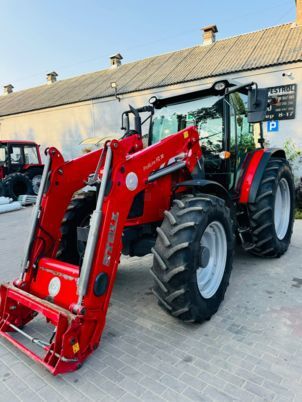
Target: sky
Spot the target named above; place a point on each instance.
(74, 37)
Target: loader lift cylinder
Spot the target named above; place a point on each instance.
(95, 176)
(93, 233)
(35, 216)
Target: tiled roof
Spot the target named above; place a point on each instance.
(269, 47)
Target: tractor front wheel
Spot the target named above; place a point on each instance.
(77, 215)
(35, 176)
(193, 257)
(272, 215)
(16, 184)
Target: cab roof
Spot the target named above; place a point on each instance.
(19, 142)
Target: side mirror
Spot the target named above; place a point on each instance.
(257, 105)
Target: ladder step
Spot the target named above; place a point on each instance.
(248, 246)
(244, 230)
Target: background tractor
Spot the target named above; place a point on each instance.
(204, 178)
(20, 168)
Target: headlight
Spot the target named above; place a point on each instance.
(224, 155)
(152, 100)
(219, 86)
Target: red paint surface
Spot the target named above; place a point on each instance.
(249, 176)
(66, 178)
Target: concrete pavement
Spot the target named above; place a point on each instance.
(250, 350)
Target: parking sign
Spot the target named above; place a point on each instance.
(273, 126)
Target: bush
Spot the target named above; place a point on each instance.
(298, 214)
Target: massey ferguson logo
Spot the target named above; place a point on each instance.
(110, 238)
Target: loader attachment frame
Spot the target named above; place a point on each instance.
(75, 299)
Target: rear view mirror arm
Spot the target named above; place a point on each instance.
(240, 87)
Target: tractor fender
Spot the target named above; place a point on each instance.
(251, 172)
(208, 187)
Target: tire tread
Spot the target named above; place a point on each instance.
(171, 269)
(261, 213)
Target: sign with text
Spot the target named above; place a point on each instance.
(282, 102)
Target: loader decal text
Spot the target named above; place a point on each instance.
(158, 159)
(110, 238)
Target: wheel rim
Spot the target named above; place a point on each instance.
(209, 278)
(36, 181)
(282, 209)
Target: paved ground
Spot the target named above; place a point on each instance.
(251, 349)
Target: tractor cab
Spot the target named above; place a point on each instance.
(20, 167)
(15, 156)
(228, 118)
(224, 115)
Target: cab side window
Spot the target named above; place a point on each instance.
(16, 155)
(241, 126)
(3, 155)
(30, 154)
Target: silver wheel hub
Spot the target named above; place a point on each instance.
(282, 209)
(209, 276)
(36, 181)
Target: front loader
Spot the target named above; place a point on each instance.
(185, 197)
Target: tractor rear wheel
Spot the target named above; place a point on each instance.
(77, 215)
(16, 184)
(193, 257)
(272, 215)
(35, 175)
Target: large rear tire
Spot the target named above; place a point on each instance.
(16, 184)
(193, 257)
(77, 215)
(35, 175)
(272, 215)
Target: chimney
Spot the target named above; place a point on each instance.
(209, 34)
(8, 89)
(116, 60)
(51, 77)
(299, 12)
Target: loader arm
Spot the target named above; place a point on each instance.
(75, 299)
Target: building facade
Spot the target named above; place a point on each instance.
(64, 113)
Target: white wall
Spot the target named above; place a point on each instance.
(65, 127)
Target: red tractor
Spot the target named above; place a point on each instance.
(20, 168)
(204, 179)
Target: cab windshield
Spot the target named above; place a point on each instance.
(205, 114)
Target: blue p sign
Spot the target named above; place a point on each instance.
(273, 126)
